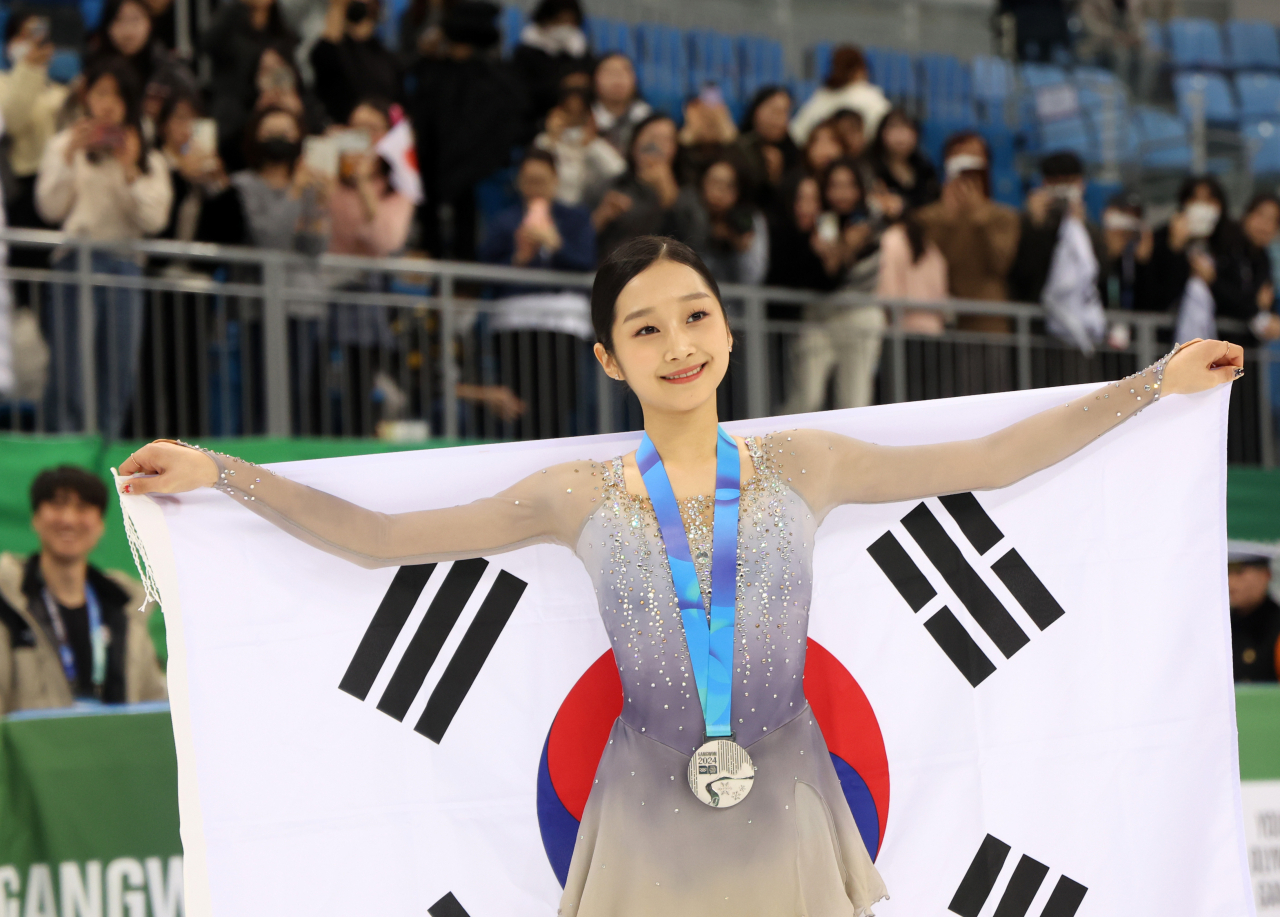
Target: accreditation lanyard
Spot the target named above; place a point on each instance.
(97, 637)
(710, 643)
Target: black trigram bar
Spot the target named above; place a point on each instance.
(1065, 900)
(973, 520)
(470, 657)
(1022, 888)
(977, 883)
(975, 888)
(386, 625)
(969, 588)
(902, 571)
(959, 646)
(432, 632)
(1026, 587)
(448, 906)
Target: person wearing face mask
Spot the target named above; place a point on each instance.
(1059, 255)
(585, 162)
(241, 30)
(29, 104)
(976, 235)
(899, 164)
(278, 202)
(618, 107)
(1202, 265)
(764, 147)
(551, 47)
(350, 61)
(1127, 268)
(100, 179)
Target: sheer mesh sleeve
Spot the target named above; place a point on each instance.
(550, 506)
(829, 470)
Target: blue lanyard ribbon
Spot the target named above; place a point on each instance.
(710, 643)
(97, 637)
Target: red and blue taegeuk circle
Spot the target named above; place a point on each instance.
(571, 753)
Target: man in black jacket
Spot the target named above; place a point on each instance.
(1255, 616)
(1061, 195)
(468, 112)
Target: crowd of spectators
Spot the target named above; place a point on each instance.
(823, 194)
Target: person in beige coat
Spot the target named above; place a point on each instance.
(68, 631)
(29, 103)
(99, 180)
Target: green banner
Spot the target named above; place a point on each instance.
(89, 814)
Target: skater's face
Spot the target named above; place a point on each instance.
(671, 342)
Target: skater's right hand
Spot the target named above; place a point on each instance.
(172, 469)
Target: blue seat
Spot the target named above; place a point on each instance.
(91, 13)
(1154, 37)
(1196, 43)
(1163, 140)
(610, 36)
(1036, 76)
(992, 86)
(945, 84)
(65, 65)
(761, 63)
(1219, 103)
(1262, 139)
(512, 23)
(893, 72)
(1259, 95)
(1069, 135)
(1254, 45)
(663, 65)
(819, 61)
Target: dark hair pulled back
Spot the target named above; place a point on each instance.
(626, 262)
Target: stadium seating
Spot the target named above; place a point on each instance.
(1163, 139)
(992, 83)
(608, 36)
(1259, 95)
(894, 72)
(1262, 138)
(1254, 45)
(1196, 43)
(1153, 36)
(1220, 107)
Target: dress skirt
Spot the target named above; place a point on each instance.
(648, 848)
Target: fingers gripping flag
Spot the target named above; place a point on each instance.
(1026, 693)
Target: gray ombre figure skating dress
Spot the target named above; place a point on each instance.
(646, 846)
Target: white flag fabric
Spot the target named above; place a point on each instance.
(1087, 767)
(398, 148)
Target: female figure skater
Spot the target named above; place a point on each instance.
(705, 598)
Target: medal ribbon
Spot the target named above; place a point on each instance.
(710, 642)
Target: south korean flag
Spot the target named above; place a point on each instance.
(1026, 693)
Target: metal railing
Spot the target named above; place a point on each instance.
(172, 339)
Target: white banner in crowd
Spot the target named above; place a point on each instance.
(1085, 765)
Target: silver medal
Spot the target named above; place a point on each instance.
(721, 773)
